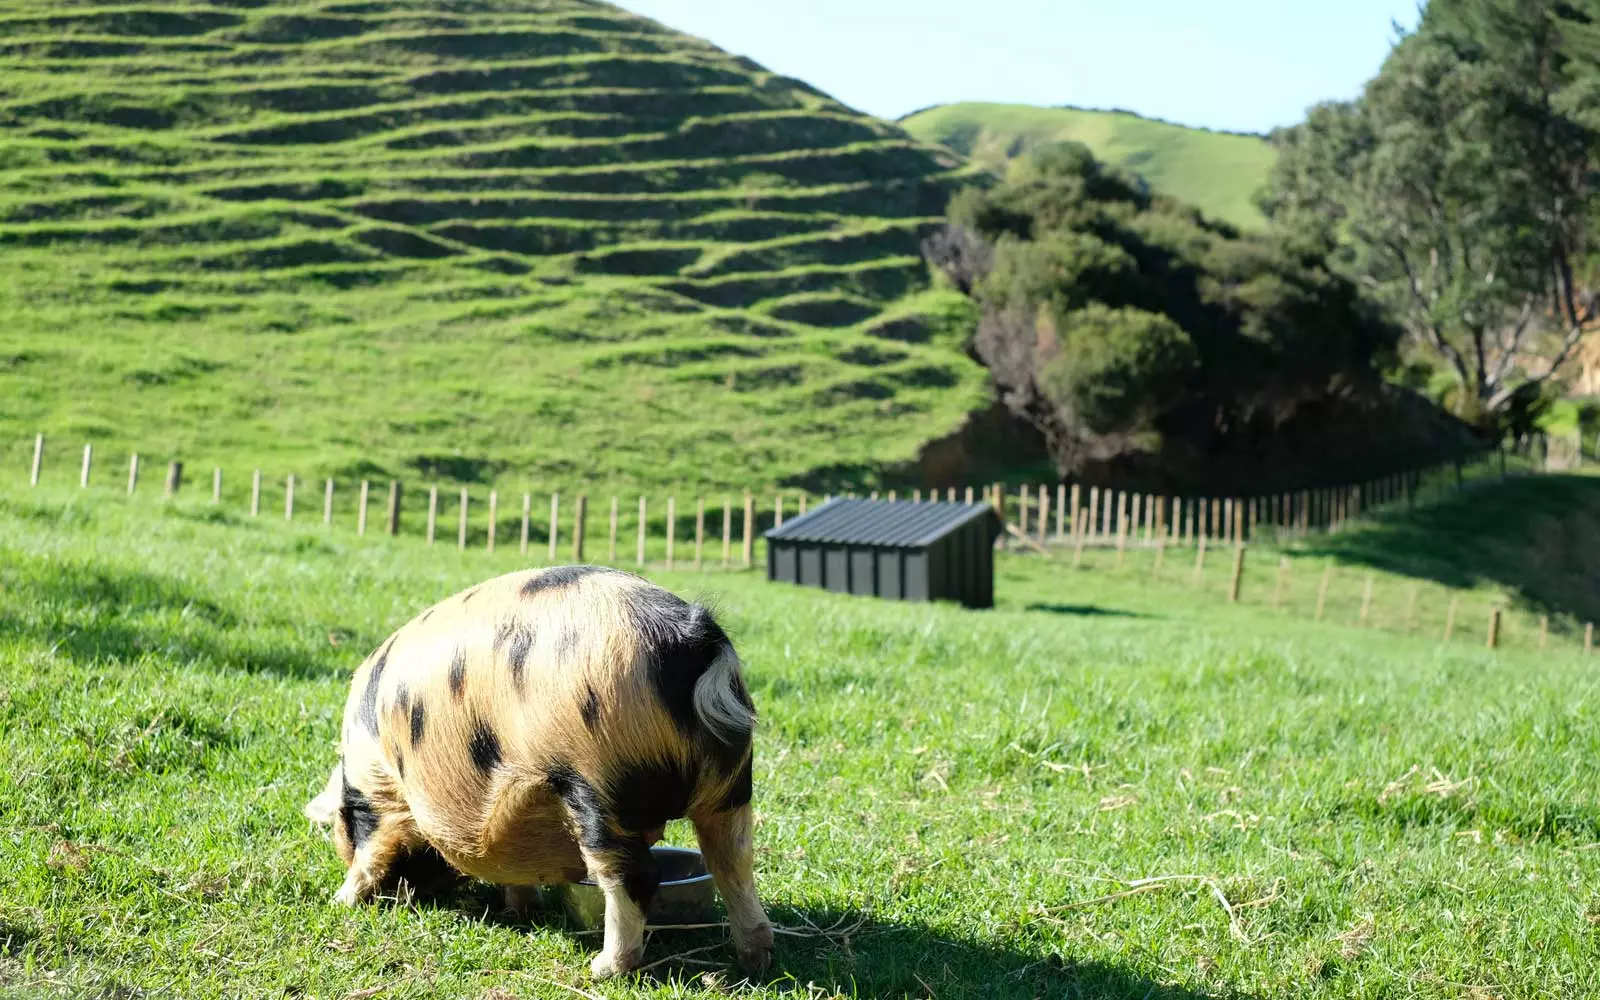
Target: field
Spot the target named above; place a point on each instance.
(1109, 786)
(1214, 171)
(548, 241)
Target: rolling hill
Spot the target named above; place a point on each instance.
(534, 240)
(1215, 171)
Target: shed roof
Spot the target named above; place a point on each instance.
(895, 523)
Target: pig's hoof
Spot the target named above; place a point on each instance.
(606, 965)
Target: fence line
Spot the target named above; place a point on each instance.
(1073, 516)
(1083, 515)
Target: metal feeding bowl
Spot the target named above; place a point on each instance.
(686, 894)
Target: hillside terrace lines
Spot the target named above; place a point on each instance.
(602, 204)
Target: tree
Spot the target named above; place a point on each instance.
(1463, 191)
(1115, 321)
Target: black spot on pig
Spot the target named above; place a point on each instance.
(368, 710)
(484, 746)
(591, 710)
(738, 793)
(567, 644)
(356, 812)
(458, 672)
(645, 796)
(418, 721)
(517, 653)
(561, 576)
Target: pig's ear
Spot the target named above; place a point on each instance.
(325, 806)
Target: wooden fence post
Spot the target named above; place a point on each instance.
(1199, 561)
(38, 459)
(1450, 618)
(803, 501)
(1135, 504)
(699, 531)
(1588, 637)
(1080, 530)
(1238, 572)
(83, 475)
(1494, 628)
(1061, 511)
(255, 493)
(462, 506)
(361, 511)
(777, 510)
(327, 501)
(580, 517)
(640, 554)
(394, 508)
(727, 530)
(1094, 511)
(1075, 500)
(1044, 514)
(611, 536)
(749, 529)
(133, 472)
(174, 479)
(433, 512)
(1322, 590)
(1366, 601)
(1122, 527)
(288, 497)
(555, 524)
(672, 526)
(216, 484)
(527, 523)
(494, 516)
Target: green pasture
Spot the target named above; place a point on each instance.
(1115, 784)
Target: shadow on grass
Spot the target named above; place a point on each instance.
(1536, 535)
(91, 614)
(1085, 610)
(841, 953)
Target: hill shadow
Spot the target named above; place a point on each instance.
(1535, 535)
(93, 614)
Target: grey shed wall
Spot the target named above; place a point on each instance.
(894, 550)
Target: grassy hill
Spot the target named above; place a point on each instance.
(1216, 171)
(533, 240)
(966, 798)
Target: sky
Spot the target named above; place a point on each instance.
(1241, 65)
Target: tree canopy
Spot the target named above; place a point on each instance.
(1463, 193)
(1112, 318)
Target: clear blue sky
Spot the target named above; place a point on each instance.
(1246, 65)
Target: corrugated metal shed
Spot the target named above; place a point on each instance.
(900, 550)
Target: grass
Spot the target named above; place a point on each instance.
(340, 237)
(1112, 785)
(1217, 172)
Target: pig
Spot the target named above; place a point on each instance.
(543, 727)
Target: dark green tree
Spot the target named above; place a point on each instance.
(1114, 320)
(1462, 189)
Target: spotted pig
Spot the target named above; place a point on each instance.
(542, 727)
